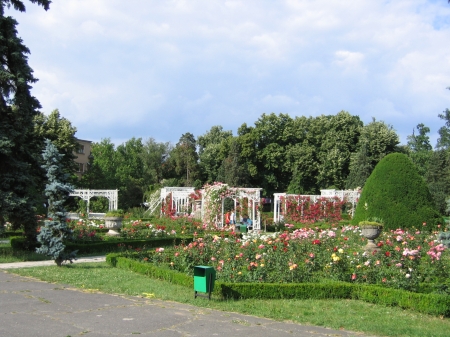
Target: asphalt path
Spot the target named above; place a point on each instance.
(30, 307)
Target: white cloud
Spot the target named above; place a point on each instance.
(206, 97)
(281, 101)
(91, 27)
(349, 61)
(381, 108)
(160, 68)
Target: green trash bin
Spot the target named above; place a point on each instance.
(204, 278)
(243, 228)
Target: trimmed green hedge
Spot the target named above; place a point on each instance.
(432, 304)
(8, 234)
(116, 260)
(20, 243)
(397, 194)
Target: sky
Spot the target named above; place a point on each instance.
(158, 69)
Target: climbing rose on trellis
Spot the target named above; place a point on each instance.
(302, 210)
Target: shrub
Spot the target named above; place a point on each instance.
(19, 243)
(433, 304)
(115, 213)
(56, 230)
(396, 193)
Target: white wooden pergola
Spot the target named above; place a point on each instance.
(86, 195)
(253, 196)
(179, 197)
(351, 196)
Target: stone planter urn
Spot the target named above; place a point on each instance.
(371, 232)
(113, 223)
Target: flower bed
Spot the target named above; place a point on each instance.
(403, 260)
(433, 304)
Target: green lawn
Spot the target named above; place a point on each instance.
(337, 314)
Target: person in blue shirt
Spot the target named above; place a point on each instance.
(249, 223)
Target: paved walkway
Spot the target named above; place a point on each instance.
(34, 308)
(48, 263)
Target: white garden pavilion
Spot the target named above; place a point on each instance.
(350, 196)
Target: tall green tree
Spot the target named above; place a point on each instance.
(62, 134)
(211, 152)
(438, 178)
(338, 137)
(101, 173)
(17, 111)
(186, 159)
(444, 132)
(130, 173)
(301, 156)
(420, 148)
(233, 170)
(320, 150)
(154, 158)
(361, 169)
(438, 169)
(119, 168)
(263, 152)
(380, 139)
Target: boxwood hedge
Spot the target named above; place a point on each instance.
(433, 304)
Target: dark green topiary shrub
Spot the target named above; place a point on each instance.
(396, 193)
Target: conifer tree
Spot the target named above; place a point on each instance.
(57, 190)
(396, 194)
(17, 110)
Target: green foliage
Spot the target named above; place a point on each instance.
(444, 132)
(98, 205)
(115, 213)
(18, 148)
(279, 153)
(55, 231)
(339, 138)
(432, 304)
(377, 139)
(148, 269)
(233, 170)
(19, 243)
(121, 168)
(420, 149)
(397, 194)
(263, 152)
(185, 158)
(154, 156)
(62, 134)
(116, 245)
(361, 168)
(212, 146)
(438, 178)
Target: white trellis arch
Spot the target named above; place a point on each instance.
(351, 196)
(86, 195)
(253, 196)
(179, 198)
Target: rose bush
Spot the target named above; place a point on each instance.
(403, 258)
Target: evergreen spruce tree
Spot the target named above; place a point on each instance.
(17, 110)
(56, 230)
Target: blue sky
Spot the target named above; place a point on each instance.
(121, 69)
